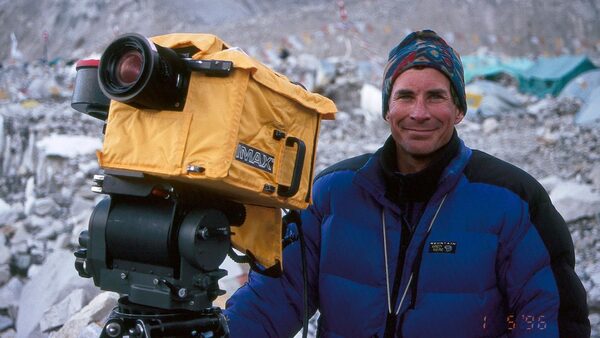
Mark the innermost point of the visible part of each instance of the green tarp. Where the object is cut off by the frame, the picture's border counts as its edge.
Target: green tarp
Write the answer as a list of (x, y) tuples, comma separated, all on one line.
[(549, 75), (489, 67), (546, 75)]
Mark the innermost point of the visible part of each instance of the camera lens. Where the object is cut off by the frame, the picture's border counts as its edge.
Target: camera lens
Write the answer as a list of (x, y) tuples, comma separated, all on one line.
[(136, 71), (129, 67)]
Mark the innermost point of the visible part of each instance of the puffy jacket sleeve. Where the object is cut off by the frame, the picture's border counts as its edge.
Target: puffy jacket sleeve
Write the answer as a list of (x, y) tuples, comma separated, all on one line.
[(545, 296), (273, 307), (527, 278), (573, 319)]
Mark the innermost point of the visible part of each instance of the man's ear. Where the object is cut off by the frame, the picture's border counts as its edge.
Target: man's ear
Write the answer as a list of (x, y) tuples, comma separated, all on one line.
[(460, 115)]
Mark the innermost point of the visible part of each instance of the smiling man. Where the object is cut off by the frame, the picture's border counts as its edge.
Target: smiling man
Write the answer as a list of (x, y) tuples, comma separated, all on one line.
[(426, 237)]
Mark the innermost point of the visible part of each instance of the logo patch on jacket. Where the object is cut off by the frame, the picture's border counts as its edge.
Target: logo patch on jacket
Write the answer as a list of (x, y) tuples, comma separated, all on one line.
[(442, 247), (254, 157)]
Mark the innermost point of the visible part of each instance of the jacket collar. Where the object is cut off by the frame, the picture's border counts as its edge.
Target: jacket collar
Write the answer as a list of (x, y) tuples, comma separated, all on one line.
[(371, 177), (419, 186)]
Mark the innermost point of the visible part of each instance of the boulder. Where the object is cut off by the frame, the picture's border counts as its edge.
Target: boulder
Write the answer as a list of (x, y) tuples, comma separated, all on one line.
[(575, 200), (54, 281), (96, 311), (58, 314)]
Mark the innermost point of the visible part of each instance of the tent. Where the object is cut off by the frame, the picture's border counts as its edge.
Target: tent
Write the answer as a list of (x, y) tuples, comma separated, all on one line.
[(582, 86), (590, 112), (549, 75)]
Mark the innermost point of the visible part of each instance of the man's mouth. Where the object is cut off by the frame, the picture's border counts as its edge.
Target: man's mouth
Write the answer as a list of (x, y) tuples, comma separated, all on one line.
[(419, 130)]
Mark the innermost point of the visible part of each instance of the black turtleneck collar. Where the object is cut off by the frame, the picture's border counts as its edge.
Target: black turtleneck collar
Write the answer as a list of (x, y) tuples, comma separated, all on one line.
[(419, 186)]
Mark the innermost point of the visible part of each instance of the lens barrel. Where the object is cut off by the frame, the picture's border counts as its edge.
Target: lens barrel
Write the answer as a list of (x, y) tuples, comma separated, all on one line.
[(87, 97), (136, 71)]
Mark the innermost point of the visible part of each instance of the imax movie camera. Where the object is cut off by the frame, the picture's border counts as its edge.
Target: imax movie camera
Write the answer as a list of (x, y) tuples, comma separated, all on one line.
[(203, 148)]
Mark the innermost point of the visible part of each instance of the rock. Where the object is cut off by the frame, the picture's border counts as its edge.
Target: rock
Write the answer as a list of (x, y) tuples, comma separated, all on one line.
[(547, 136), (10, 295), (88, 168), (55, 280), (5, 322), (8, 214), (80, 205), (33, 270), (490, 125), (47, 233), (4, 250), (29, 195), (8, 334), (97, 310), (575, 200), (594, 176), (37, 223), (370, 101), (21, 262), (550, 182), (595, 320), (20, 234), (62, 242), (4, 274), (69, 146), (91, 331), (45, 206), (58, 314)]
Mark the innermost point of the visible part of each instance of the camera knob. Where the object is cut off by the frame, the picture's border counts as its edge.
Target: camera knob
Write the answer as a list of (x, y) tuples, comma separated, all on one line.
[(113, 329), (84, 239)]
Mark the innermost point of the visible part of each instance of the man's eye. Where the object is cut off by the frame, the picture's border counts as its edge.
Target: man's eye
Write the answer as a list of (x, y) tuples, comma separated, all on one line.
[(437, 97)]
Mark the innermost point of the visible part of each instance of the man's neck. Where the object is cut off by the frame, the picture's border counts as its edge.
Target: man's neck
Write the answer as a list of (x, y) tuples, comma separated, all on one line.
[(408, 164)]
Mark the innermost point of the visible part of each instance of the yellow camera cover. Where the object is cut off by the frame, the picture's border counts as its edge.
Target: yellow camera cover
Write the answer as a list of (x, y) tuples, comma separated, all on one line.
[(250, 137)]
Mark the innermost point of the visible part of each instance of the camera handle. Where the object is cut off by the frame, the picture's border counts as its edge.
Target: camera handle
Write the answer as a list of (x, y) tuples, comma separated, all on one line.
[(292, 189)]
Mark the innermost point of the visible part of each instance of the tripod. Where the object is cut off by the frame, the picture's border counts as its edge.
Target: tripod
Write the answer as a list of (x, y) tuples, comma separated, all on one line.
[(139, 321)]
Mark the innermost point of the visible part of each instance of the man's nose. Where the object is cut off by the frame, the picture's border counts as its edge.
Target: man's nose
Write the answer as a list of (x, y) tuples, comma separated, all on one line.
[(420, 111)]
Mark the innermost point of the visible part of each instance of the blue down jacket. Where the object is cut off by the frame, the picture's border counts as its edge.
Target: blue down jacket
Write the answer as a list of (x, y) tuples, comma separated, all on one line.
[(490, 257)]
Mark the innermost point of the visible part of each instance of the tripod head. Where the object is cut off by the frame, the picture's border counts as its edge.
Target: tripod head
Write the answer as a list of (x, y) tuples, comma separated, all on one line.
[(157, 242)]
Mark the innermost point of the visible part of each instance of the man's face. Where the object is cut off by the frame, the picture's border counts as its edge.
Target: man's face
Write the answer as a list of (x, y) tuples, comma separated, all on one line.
[(421, 114)]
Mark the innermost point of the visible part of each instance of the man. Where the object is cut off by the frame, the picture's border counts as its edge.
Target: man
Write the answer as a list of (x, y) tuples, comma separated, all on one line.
[(426, 237)]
